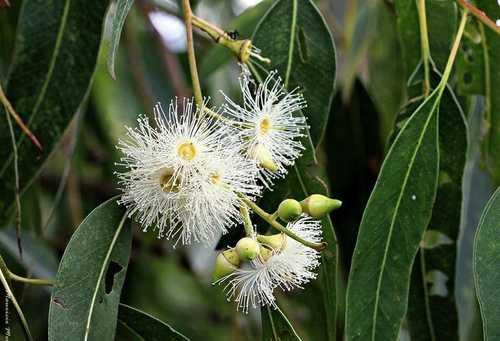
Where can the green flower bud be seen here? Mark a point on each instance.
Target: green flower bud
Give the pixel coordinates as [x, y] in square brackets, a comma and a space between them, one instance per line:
[223, 266]
[317, 205]
[275, 241]
[247, 248]
[289, 209]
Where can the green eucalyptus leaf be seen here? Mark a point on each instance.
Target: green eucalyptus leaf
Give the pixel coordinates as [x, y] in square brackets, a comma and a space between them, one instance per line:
[85, 298]
[392, 227]
[276, 326]
[486, 260]
[433, 315]
[294, 35]
[122, 9]
[441, 24]
[55, 54]
[145, 326]
[491, 54]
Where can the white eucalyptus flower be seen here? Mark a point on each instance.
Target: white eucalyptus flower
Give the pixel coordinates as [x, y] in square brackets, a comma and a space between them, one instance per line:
[288, 266]
[270, 125]
[166, 184]
[213, 199]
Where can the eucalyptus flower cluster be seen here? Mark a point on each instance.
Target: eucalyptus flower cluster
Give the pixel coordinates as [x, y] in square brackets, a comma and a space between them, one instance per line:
[190, 171]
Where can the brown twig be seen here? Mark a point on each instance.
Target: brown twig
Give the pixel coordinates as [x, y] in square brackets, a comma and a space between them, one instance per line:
[480, 15]
[19, 121]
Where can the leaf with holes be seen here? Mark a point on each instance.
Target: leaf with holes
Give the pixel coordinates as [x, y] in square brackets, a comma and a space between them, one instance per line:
[121, 11]
[441, 22]
[85, 298]
[392, 227]
[296, 38]
[55, 55]
[486, 260]
[145, 326]
[276, 327]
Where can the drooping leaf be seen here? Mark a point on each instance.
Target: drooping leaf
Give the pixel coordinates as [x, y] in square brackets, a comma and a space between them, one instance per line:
[55, 54]
[486, 260]
[145, 326]
[122, 9]
[293, 34]
[85, 298]
[432, 312]
[392, 227]
[276, 327]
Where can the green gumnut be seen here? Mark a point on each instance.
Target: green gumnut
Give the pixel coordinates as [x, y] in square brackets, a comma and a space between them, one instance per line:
[289, 209]
[247, 248]
[317, 205]
[226, 262]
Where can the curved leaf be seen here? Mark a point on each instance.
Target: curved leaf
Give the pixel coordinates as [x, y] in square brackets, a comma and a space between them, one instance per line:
[122, 9]
[276, 327]
[55, 55]
[84, 302]
[145, 326]
[294, 35]
[392, 227]
[486, 260]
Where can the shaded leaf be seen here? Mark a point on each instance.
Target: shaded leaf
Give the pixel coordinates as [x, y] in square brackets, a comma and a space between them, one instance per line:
[433, 316]
[145, 326]
[392, 227]
[122, 9]
[491, 53]
[276, 327]
[51, 71]
[441, 24]
[294, 35]
[486, 260]
[85, 298]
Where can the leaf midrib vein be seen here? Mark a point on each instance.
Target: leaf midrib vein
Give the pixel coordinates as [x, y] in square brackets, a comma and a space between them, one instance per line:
[101, 275]
[393, 219]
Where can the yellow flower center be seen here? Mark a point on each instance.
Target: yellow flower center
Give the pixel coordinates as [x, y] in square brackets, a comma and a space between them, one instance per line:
[168, 183]
[265, 125]
[215, 178]
[187, 151]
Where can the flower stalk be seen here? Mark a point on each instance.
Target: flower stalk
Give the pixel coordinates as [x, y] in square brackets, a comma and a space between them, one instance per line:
[424, 44]
[269, 219]
[188, 19]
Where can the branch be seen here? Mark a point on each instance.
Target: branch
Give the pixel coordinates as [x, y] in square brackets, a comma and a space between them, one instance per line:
[480, 15]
